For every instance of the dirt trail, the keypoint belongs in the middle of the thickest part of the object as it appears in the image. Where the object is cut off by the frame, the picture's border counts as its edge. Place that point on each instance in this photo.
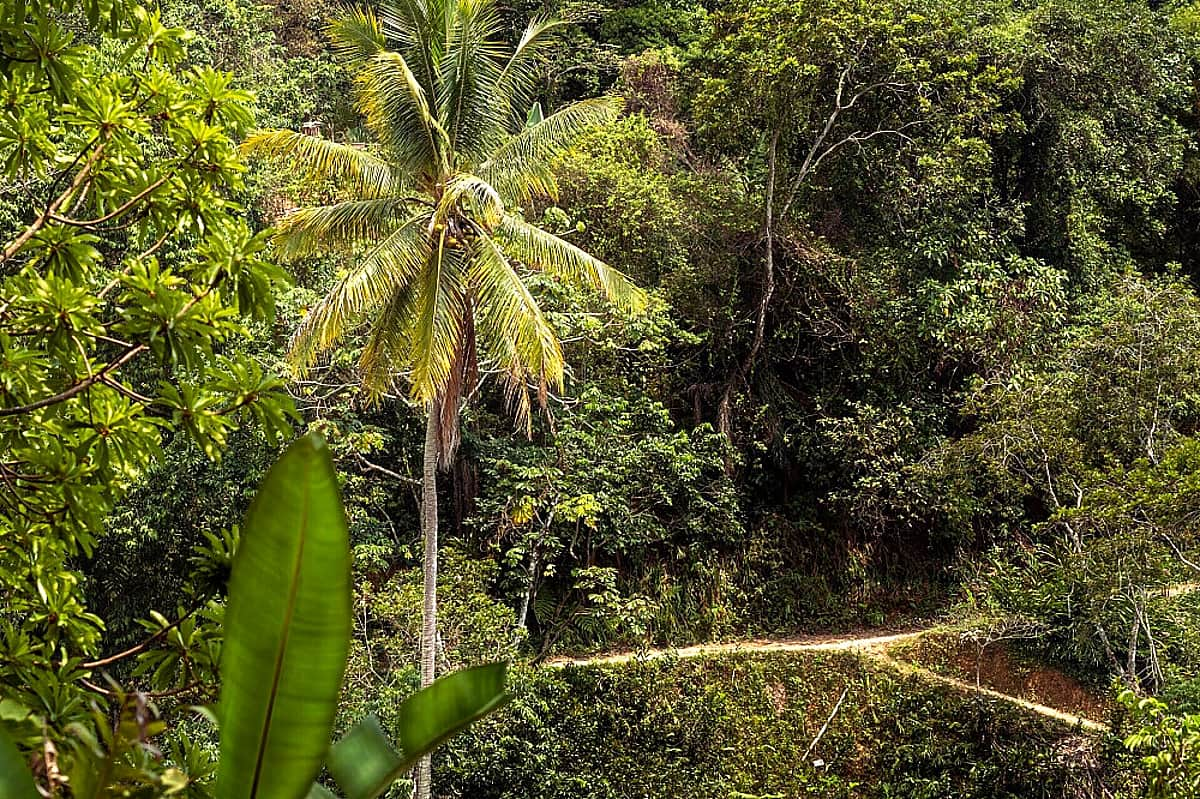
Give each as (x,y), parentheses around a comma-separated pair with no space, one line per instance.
(1070,719)
(862,641)
(873,644)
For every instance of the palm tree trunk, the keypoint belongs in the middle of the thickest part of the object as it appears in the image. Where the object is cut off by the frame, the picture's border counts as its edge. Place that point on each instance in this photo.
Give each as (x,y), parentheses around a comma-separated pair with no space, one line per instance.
(429,529)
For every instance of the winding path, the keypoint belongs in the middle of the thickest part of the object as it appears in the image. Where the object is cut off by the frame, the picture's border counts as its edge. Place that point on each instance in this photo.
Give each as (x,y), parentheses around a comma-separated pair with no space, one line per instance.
(863,642)
(872,644)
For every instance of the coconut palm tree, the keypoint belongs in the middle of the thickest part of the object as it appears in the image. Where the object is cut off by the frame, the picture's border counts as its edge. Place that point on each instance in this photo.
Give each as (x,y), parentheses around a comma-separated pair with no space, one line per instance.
(434,211)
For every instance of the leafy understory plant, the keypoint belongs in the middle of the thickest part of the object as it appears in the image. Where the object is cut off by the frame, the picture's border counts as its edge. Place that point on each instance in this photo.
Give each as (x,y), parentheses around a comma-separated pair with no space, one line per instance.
(287,635)
(1169,745)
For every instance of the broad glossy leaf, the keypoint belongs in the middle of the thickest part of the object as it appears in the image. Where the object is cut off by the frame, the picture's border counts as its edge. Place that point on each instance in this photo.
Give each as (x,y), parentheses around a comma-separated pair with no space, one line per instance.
(430,716)
(15,780)
(287,630)
(364,763)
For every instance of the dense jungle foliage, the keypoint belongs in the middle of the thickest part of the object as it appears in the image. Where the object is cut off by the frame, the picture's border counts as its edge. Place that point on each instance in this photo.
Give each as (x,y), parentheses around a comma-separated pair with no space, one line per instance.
(647,323)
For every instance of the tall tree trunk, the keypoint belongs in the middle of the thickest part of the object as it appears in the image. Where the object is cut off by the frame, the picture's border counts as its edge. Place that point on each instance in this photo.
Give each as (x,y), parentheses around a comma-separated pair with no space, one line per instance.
(1132,650)
(429,529)
(530,585)
(768,287)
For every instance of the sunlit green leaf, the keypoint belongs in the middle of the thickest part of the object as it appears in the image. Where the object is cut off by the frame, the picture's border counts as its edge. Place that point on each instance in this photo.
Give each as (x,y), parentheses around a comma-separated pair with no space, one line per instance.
(364,763)
(430,716)
(287,630)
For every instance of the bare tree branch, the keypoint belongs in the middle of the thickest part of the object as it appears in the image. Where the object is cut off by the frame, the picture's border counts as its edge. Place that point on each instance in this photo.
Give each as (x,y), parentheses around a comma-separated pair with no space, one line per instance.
(384,470)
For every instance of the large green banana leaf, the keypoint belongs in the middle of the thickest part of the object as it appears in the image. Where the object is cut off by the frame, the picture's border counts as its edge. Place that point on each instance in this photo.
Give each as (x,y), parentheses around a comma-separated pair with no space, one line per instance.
(364,764)
(287,631)
(15,780)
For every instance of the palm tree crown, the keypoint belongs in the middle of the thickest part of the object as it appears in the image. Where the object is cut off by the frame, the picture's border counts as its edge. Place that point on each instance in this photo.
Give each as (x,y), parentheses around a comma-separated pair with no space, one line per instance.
(436,204)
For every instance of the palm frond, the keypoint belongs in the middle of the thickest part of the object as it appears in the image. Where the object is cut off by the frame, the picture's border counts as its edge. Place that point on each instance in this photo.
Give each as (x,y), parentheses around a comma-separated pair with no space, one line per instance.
(397,112)
(313,157)
(473,194)
(516,333)
(396,23)
(356,34)
(389,344)
(518,79)
(470,103)
(338,226)
(417,28)
(538,35)
(393,263)
(438,321)
(523,167)
(549,253)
